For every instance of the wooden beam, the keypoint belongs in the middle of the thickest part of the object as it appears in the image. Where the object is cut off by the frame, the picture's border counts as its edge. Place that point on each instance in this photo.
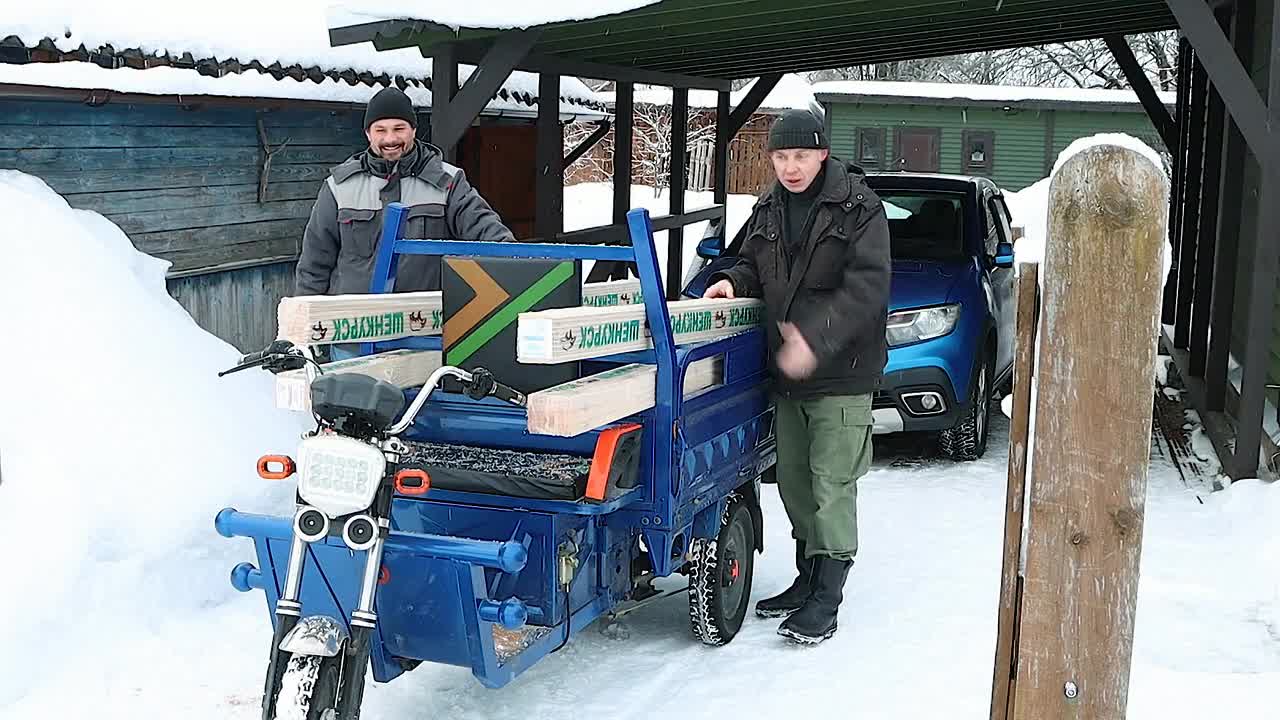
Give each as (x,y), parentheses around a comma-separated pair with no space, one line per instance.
(602,128)
(751,101)
(1189,229)
(402,368)
(679,147)
(1137,77)
(549,151)
(482,85)
(1208,238)
(678,220)
(1179,152)
(444,85)
(1220,60)
(724,135)
(1092,441)
(541,63)
(377,317)
(591,402)
(562,335)
(1262,288)
(1014,514)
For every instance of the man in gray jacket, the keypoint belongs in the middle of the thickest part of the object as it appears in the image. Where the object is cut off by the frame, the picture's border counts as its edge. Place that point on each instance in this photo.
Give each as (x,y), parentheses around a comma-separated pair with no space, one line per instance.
(340,243)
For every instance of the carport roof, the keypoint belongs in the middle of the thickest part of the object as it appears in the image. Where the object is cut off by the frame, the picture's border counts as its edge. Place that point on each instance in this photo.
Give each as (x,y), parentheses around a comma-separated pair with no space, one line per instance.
(730,39)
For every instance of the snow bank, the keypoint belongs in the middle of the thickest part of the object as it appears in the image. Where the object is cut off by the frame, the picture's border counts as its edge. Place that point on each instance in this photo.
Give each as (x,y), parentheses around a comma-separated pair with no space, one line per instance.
(1030,206)
(118,445)
(490,14)
(291,32)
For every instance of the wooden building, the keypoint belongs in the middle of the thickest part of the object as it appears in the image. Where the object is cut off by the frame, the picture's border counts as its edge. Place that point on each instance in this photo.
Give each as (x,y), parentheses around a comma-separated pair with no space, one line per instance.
(1010,134)
(214,164)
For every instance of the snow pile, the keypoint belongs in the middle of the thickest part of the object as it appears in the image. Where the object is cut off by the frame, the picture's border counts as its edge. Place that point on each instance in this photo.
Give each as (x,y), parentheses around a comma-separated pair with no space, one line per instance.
(290,32)
(490,14)
(118,445)
(985,93)
(1030,206)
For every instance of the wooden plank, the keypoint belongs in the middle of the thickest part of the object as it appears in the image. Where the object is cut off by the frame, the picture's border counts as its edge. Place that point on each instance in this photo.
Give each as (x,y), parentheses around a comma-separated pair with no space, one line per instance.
(1092,439)
(66,182)
(164,158)
(213,257)
(163,244)
(565,334)
(402,368)
(159,199)
(323,319)
(182,218)
(97,136)
(577,406)
(1014,517)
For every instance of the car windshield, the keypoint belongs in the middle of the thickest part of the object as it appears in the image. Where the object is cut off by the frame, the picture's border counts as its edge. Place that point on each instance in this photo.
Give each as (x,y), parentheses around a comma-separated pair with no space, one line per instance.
(924,225)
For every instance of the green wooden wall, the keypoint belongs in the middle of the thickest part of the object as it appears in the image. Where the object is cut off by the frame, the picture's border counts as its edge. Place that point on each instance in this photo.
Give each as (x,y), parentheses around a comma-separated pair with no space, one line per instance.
(1026,141)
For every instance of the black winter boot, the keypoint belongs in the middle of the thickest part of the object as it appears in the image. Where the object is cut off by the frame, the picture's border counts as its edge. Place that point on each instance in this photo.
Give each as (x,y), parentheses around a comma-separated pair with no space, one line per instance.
(793,597)
(816,621)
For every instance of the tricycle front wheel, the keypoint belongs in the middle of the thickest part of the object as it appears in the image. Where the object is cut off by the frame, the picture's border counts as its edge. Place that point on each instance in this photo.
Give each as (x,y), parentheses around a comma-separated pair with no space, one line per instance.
(720,577)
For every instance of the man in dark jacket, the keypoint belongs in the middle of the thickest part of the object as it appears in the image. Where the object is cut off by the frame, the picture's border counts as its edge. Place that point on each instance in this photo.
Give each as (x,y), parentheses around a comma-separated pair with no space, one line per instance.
(340,243)
(816,250)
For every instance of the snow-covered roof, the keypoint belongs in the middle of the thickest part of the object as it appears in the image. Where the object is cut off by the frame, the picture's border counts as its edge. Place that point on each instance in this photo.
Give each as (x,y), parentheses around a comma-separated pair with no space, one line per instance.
(792,91)
(238,48)
(872,89)
(485,14)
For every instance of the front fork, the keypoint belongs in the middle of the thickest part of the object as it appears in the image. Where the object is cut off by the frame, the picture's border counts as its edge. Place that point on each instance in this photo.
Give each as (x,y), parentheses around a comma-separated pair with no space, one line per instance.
(355,651)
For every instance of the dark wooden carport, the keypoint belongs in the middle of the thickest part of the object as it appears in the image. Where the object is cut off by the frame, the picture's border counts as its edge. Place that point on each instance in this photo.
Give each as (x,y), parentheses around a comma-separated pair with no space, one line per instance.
(1222,122)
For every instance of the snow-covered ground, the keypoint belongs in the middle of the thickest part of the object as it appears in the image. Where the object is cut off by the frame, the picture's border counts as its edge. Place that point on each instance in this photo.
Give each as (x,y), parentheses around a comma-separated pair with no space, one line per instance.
(117,449)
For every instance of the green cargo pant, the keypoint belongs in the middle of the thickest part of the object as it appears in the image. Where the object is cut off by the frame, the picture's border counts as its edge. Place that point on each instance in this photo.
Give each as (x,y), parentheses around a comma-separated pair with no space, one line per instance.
(824,446)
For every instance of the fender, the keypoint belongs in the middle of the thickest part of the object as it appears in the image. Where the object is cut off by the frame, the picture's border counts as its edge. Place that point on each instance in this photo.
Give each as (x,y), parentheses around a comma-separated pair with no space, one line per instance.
(315,635)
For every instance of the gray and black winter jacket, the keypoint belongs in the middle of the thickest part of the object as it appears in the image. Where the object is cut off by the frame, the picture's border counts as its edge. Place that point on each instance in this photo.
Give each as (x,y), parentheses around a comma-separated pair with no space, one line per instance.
(340,243)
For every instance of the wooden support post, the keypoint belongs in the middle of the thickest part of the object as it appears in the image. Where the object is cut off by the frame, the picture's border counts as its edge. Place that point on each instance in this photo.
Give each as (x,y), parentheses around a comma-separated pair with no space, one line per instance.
(679,144)
(1092,437)
(1179,153)
(1226,259)
(481,86)
(724,136)
(567,334)
(1014,514)
(444,85)
(549,190)
(1262,289)
(1189,232)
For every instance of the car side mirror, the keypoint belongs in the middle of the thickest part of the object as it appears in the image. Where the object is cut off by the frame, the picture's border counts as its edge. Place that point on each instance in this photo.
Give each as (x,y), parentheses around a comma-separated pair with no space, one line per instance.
(1004,255)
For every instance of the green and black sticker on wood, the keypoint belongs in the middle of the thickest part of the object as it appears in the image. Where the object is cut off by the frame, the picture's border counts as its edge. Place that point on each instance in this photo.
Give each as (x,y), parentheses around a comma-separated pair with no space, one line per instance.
(482,299)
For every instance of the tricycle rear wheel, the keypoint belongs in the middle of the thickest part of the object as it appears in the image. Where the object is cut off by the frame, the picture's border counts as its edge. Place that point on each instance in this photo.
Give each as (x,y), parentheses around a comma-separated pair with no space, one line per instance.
(720,576)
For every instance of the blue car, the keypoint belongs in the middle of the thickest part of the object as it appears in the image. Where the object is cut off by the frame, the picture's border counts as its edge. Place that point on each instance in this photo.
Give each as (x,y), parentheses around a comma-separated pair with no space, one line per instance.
(951,306)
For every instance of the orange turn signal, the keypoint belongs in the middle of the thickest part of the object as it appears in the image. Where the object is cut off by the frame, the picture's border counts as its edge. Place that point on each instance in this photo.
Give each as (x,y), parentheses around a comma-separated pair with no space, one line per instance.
(275,467)
(412,481)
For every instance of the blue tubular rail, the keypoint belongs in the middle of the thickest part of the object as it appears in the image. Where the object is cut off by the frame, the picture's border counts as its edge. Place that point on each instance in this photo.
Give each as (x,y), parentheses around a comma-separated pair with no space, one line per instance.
(509,556)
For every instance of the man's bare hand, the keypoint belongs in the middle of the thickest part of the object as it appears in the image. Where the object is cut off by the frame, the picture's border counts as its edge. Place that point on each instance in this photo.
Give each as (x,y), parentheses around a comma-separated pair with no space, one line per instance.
(795,358)
(722,289)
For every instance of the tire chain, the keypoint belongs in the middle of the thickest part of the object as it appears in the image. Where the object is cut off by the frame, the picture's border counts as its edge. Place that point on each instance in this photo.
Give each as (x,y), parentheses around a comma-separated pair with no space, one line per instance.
(705,555)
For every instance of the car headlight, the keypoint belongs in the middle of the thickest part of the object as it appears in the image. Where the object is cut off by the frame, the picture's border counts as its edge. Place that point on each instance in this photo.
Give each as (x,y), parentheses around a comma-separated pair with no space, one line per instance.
(911,326)
(339,475)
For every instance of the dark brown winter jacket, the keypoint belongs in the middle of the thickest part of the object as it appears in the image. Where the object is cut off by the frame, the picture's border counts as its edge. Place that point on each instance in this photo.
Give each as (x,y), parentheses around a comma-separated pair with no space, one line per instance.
(836,290)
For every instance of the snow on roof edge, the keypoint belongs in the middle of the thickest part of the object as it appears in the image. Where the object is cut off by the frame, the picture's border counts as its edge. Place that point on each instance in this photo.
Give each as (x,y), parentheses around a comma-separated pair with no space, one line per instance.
(977,93)
(487,15)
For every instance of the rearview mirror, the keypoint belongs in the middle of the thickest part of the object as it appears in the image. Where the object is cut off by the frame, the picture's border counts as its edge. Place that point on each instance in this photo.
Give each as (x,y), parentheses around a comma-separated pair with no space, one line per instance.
(1004,255)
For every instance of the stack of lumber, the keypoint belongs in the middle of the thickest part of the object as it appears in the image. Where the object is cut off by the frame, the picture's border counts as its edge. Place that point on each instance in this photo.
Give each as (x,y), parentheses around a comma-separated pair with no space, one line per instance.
(581,405)
(402,368)
(567,334)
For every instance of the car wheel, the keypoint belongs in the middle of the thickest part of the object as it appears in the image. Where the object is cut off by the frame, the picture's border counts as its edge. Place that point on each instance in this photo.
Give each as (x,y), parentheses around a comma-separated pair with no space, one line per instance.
(968,439)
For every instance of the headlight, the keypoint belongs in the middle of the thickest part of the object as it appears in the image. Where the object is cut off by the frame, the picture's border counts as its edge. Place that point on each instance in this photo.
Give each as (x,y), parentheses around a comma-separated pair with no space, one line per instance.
(339,475)
(911,326)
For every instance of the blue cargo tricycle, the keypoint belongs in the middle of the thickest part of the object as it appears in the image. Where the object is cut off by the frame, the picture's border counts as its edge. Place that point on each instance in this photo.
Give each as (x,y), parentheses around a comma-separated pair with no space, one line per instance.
(383,567)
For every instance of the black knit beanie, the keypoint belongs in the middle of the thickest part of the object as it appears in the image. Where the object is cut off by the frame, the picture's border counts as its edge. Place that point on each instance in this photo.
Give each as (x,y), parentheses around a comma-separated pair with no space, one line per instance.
(387,104)
(797,129)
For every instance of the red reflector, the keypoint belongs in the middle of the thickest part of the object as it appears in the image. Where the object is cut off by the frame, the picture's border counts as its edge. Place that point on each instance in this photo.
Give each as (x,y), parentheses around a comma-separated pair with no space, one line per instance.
(275,467)
(412,481)
(384,575)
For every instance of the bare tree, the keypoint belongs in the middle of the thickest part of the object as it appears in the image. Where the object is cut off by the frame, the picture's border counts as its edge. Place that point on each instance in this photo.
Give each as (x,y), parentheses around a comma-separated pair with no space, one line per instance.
(653,137)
